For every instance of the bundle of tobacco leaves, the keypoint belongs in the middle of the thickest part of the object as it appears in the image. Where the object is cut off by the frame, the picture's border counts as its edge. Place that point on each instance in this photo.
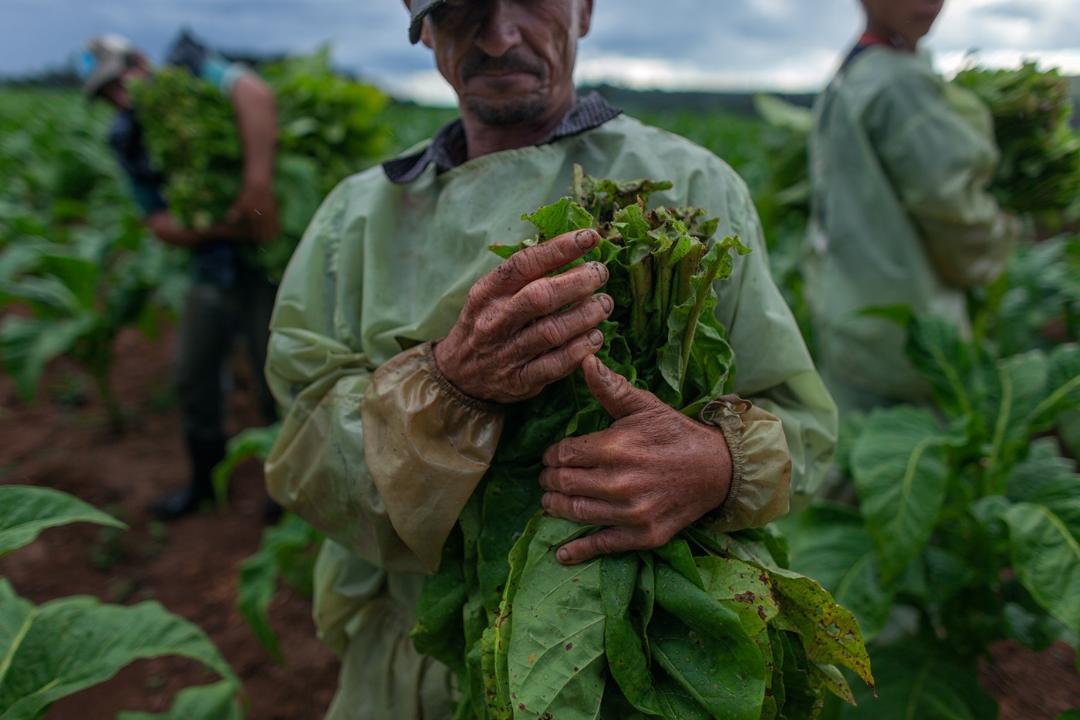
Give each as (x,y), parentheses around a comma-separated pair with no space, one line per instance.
(709,626)
(1040,152)
(329,129)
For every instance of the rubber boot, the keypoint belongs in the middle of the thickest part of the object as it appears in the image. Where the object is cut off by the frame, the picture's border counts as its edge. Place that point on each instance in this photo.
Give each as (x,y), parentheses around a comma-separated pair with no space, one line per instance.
(204,454)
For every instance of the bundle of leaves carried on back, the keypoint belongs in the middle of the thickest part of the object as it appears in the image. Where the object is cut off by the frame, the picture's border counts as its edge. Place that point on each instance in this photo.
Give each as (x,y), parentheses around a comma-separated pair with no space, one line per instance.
(1040,153)
(330,127)
(709,626)
(968,521)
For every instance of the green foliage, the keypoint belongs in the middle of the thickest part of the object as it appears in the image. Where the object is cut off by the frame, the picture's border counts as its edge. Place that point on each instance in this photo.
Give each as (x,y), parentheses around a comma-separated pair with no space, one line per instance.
(78,296)
(330,128)
(1040,153)
(216,701)
(326,117)
(76,265)
(50,651)
(251,444)
(1035,303)
(708,626)
(287,551)
(949,503)
(27,510)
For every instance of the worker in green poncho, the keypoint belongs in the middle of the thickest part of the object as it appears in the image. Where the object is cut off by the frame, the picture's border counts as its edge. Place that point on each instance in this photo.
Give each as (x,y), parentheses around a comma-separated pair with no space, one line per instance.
(398,338)
(900,165)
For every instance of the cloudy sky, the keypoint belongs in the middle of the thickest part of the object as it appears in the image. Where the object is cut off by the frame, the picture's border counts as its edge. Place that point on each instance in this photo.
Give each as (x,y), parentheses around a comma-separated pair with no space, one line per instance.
(708,44)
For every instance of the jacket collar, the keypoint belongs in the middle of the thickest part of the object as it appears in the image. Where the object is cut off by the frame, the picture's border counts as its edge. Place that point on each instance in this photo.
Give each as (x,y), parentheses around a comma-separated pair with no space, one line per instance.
(449,148)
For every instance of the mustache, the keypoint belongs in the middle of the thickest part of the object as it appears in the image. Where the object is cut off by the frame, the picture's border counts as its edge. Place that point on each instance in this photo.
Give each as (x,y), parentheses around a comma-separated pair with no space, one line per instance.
(512,62)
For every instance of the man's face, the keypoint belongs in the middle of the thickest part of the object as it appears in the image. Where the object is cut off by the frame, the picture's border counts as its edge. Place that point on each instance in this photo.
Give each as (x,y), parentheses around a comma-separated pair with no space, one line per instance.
(911,18)
(118,92)
(509,61)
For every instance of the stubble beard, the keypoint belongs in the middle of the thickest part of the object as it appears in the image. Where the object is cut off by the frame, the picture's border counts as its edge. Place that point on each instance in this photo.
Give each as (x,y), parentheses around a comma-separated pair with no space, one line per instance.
(508,112)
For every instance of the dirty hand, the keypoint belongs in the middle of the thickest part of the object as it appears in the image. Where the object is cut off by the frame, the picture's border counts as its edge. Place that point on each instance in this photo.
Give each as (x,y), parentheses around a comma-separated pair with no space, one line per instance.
(647,477)
(256,208)
(521,330)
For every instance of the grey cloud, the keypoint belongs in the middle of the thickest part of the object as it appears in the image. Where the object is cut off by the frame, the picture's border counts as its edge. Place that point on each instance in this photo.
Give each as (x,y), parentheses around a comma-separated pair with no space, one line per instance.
(369,35)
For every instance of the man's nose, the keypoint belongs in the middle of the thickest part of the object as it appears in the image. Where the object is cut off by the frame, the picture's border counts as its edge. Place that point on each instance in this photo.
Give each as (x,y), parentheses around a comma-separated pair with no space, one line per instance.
(500,31)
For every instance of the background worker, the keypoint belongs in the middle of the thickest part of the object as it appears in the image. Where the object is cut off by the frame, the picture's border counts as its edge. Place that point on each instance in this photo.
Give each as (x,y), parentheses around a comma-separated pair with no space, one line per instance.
(398,338)
(230,297)
(900,165)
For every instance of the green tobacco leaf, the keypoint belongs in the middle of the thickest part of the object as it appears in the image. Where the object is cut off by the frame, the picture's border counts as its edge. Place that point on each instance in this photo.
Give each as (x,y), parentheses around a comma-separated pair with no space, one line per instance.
(77,642)
(289,542)
(623,644)
(830,544)
(901,476)
(941,355)
(25,511)
(79,275)
(829,633)
(743,587)
(1044,527)
(439,629)
(560,217)
(556,662)
(213,702)
(1018,386)
(29,344)
(802,695)
(830,678)
(251,443)
(1062,388)
(1046,555)
(677,554)
(16,617)
(922,681)
(519,556)
(701,643)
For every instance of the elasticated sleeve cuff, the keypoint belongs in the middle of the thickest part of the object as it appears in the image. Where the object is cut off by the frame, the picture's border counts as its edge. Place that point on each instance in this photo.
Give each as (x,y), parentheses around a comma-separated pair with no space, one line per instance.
(761,463)
(427,447)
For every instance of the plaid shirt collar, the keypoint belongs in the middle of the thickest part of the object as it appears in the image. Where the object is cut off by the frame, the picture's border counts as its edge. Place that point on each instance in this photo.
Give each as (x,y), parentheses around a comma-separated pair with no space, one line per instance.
(449,148)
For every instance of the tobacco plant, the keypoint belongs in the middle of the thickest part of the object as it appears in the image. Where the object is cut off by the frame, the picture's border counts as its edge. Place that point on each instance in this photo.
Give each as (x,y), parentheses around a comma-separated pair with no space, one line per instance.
(967,529)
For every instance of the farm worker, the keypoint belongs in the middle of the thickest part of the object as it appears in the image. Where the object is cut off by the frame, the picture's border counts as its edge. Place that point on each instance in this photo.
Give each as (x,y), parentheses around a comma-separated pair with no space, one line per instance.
(229,296)
(397,338)
(900,165)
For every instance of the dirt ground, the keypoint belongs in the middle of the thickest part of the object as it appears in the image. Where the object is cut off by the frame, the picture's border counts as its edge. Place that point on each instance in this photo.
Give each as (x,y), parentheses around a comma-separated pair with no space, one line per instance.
(191,566)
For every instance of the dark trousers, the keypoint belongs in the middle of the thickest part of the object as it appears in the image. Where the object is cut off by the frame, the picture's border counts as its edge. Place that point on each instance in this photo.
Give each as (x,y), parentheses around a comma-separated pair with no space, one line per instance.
(214,319)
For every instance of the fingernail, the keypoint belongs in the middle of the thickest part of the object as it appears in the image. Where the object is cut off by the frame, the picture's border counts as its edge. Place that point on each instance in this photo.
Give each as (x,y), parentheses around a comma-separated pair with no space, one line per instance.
(601,271)
(563,554)
(596,337)
(607,303)
(587,239)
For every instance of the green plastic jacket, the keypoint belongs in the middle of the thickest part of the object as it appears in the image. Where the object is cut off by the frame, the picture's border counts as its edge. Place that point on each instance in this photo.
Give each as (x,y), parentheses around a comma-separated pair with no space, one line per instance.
(381,454)
(900,162)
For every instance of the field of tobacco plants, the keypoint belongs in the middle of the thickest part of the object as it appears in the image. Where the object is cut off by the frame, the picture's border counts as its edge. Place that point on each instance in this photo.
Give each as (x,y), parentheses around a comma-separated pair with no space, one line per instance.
(946,584)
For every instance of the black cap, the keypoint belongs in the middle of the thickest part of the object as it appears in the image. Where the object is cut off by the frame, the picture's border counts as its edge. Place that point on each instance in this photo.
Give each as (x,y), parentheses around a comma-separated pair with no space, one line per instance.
(420,9)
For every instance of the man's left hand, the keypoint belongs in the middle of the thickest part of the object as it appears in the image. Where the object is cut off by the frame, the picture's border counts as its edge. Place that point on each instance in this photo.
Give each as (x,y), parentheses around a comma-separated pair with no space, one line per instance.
(647,477)
(256,208)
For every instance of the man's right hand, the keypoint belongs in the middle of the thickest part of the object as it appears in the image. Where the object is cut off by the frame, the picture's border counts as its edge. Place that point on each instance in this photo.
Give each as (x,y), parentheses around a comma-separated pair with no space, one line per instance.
(521,330)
